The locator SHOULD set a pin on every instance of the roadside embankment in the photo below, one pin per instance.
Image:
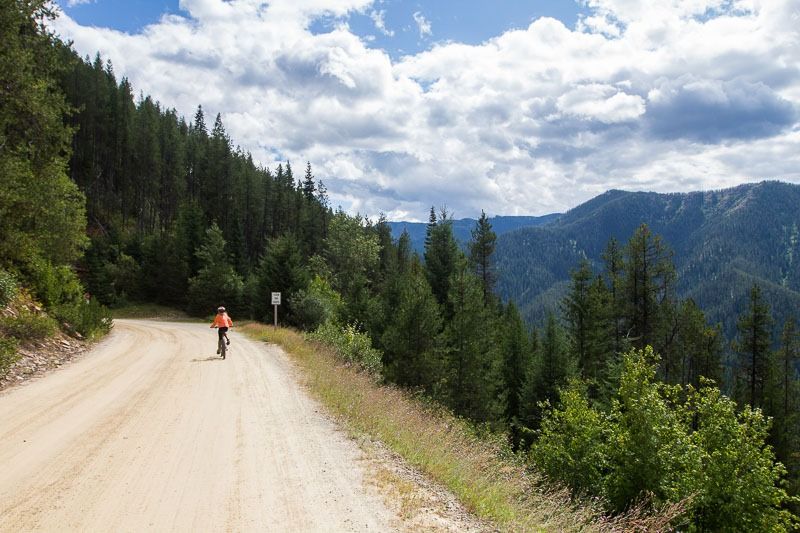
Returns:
(490, 481)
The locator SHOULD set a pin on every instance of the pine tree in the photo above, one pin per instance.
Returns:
(312, 216)
(441, 254)
(42, 212)
(471, 355)
(403, 252)
(279, 211)
(430, 227)
(649, 285)
(309, 188)
(388, 252)
(197, 154)
(528, 405)
(575, 308)
(614, 274)
(551, 370)
(280, 270)
(600, 330)
(216, 283)
(352, 254)
(412, 345)
(752, 345)
(784, 400)
(164, 270)
(556, 365)
(698, 349)
(516, 359)
(481, 248)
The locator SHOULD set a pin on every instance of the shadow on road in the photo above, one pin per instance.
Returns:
(212, 358)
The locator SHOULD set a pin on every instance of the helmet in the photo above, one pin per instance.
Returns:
(220, 309)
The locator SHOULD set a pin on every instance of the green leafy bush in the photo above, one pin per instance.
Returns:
(316, 305)
(649, 450)
(8, 354)
(89, 318)
(8, 287)
(350, 345)
(738, 484)
(660, 444)
(54, 285)
(572, 443)
(28, 325)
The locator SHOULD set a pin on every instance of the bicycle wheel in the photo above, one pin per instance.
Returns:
(222, 347)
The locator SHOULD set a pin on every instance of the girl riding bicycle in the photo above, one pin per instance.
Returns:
(223, 322)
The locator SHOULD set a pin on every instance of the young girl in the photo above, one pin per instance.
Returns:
(223, 322)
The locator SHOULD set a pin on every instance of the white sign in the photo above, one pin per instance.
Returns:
(276, 298)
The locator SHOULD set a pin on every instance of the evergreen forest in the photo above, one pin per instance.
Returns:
(625, 391)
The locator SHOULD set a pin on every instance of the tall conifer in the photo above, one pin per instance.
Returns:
(481, 248)
(752, 345)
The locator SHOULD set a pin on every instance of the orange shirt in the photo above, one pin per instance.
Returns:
(222, 321)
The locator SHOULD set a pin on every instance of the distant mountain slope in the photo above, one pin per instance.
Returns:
(723, 242)
(462, 228)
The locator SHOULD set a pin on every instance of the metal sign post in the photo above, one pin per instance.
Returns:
(276, 301)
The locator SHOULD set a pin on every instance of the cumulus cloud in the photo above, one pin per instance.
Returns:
(73, 3)
(601, 102)
(712, 110)
(666, 96)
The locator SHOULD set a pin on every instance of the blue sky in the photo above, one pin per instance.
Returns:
(128, 15)
(467, 21)
(514, 107)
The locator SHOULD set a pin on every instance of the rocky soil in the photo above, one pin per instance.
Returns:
(37, 357)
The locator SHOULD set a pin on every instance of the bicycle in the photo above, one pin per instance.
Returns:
(223, 347)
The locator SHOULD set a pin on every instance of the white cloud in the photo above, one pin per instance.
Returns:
(601, 102)
(423, 24)
(73, 3)
(380, 24)
(663, 96)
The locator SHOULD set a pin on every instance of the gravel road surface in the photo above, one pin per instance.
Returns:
(154, 432)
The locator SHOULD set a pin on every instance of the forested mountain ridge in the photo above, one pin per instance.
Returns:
(464, 226)
(723, 242)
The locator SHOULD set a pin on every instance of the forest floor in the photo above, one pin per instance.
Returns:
(150, 430)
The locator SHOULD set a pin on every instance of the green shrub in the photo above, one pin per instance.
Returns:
(572, 445)
(90, 319)
(8, 354)
(350, 345)
(28, 325)
(659, 444)
(739, 485)
(649, 450)
(8, 287)
(54, 285)
(308, 311)
(316, 305)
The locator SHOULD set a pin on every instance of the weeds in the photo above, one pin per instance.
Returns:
(8, 287)
(89, 318)
(8, 354)
(350, 345)
(28, 326)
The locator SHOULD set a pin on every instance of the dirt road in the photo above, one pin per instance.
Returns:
(153, 432)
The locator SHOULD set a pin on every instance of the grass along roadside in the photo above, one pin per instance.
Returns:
(491, 483)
